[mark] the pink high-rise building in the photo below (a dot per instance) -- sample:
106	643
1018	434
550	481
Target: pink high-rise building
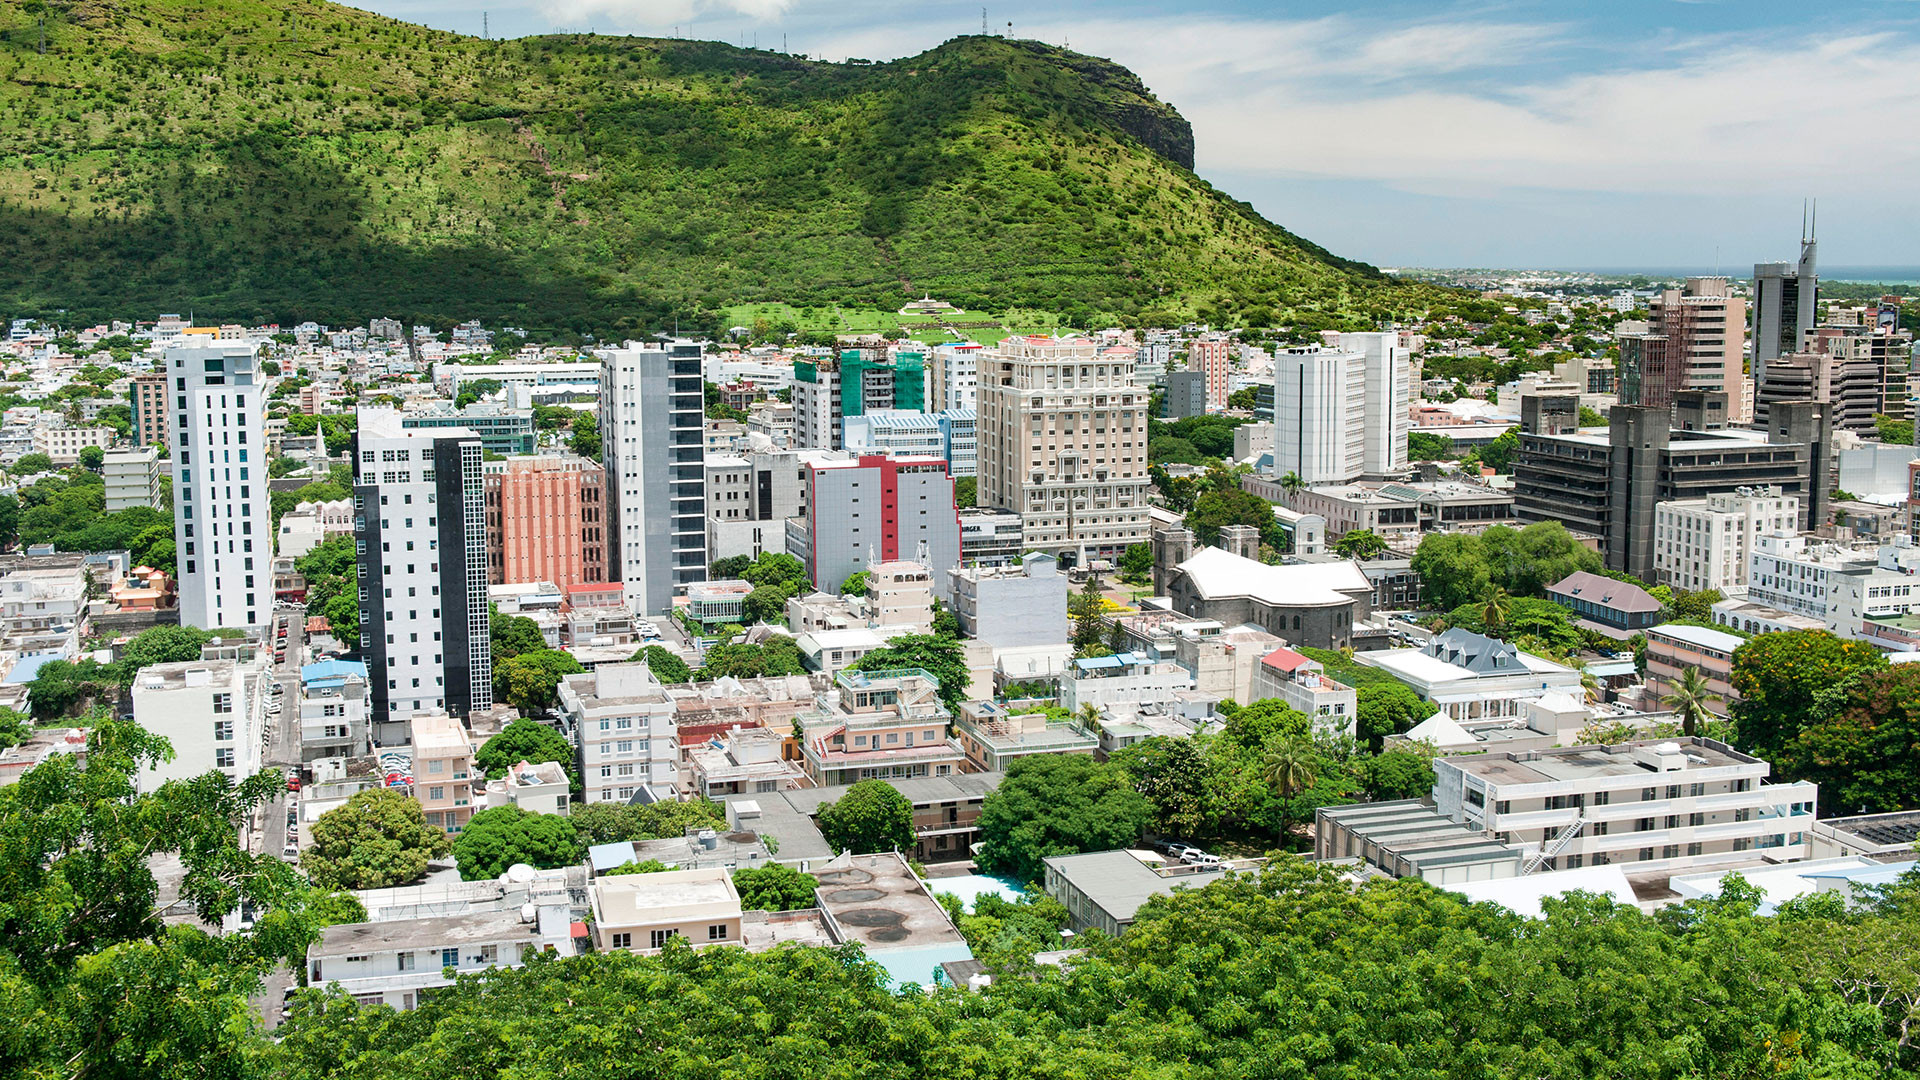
544	521
1208	355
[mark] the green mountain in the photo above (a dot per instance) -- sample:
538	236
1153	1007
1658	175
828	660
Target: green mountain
299	159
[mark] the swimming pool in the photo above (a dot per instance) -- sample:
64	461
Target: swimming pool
968	887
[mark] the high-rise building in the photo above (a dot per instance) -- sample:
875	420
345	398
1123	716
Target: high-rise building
953	378
1320	414
1783	306
1063	442
1387	372
1705	543
546	520
1607	484
219	459
1209	355
1837	370
1185	394
421	537
751	495
149	402
1694	339
875	508
860	382
652	416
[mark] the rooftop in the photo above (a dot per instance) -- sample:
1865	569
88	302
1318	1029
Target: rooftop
1575	763
1718	640
354	939
1119	882
1217	573
1605	591
637	899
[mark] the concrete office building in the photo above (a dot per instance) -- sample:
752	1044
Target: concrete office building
1209	356
623	726
1320	414
875	508
1386	371
751	495
219	458
1607	484
1013	605
1705	543
652	412
825	392
1665	806
1783	307
1850	380
421	536
546	521
132	478
1063	443
1186	395
1693	339
990	537
206	710
148	396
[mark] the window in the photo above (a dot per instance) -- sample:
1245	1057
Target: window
223	757
223	703
1696	819
623	941
489	954
658	938
717	932
406	961
1476	797
449	958
223	731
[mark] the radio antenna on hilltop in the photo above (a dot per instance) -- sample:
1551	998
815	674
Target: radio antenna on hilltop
485	35
983	22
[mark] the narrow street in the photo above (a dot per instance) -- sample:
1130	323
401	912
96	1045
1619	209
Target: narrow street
282	734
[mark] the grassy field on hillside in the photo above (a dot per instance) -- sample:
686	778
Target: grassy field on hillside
305	160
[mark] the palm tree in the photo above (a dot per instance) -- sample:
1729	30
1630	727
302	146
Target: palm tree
1288	769
1495	608
1292	483
1689	701
1089	717
1590	684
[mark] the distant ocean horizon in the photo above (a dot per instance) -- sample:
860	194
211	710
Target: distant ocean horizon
1878	275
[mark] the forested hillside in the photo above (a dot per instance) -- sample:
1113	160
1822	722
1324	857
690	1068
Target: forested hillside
301	159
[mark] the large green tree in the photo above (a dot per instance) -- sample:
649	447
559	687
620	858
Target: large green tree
774	887
610	822
378	838
530	682
665	664
1790	680
940	657
1057	804
524	740
870	816
1865	755
496	838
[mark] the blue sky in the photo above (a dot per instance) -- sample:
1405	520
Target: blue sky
1633	133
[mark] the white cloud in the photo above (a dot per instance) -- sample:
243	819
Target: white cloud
652	15
1469	105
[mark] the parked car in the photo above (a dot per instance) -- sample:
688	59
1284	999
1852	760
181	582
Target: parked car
1196	857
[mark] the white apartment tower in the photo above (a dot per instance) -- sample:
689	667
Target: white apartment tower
1320	414
624	727
1387	372
219	461
1708	543
953	380
420	535
1062	437
652	417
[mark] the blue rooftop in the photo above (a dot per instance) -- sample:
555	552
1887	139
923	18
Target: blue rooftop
1117	660
331	671
27	668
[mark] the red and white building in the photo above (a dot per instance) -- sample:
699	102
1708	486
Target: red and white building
876	509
